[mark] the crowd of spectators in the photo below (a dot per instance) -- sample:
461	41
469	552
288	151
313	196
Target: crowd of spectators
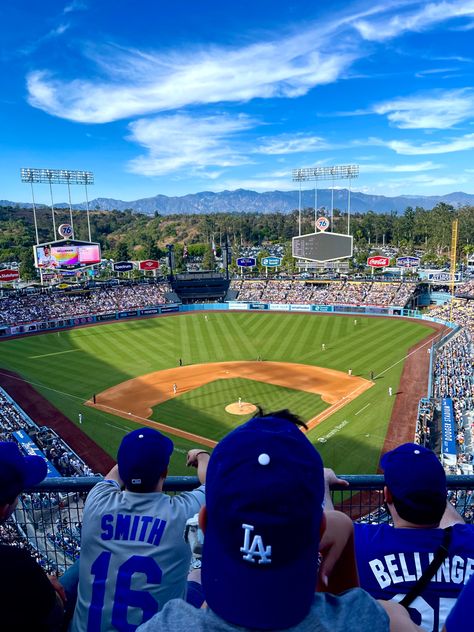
38	505
424	423
22	308
466	288
461	312
324	293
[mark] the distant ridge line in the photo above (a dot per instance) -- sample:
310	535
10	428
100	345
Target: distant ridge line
242	201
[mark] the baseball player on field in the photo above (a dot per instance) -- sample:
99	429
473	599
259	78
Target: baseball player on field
133	555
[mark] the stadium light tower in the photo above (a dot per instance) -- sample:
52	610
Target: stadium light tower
337	172
57	176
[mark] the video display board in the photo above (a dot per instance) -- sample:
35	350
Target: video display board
67	254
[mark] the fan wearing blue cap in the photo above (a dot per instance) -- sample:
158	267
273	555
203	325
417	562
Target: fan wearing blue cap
22	581
133	554
262	523
392	559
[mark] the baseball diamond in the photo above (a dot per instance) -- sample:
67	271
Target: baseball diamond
273	360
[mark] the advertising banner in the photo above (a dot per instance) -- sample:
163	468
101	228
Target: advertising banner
378	262
279	307
271	262
236	305
149	264
106	316
149	310
300	308
7	275
408	262
322	308
258	306
448	429
169	308
246	262
123	266
127	314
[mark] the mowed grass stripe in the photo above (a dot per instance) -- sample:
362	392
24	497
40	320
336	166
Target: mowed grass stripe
118	351
243	348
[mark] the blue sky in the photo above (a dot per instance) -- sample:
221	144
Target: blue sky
178	97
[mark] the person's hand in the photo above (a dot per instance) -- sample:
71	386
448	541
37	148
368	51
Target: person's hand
330	478
193	455
59	588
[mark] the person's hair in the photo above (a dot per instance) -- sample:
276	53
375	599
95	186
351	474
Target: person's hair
7	499
284	413
425	512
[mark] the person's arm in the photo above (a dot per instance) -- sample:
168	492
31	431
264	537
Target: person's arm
338	571
114	475
199	459
399	618
330	478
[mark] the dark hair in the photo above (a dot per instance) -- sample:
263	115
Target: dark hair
284	413
422	510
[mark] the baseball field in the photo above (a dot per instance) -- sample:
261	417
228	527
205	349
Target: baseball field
336	372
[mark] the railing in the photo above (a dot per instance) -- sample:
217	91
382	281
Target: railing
49	516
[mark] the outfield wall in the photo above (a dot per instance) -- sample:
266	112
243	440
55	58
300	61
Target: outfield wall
169	308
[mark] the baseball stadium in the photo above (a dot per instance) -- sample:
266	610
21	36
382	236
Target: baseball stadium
196	355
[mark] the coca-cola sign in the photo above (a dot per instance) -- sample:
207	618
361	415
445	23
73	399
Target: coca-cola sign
378	262
7	276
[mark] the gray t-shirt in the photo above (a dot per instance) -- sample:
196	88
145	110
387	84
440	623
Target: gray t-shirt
353	610
133	556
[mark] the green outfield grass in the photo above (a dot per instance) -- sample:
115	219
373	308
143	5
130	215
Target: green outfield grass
67	368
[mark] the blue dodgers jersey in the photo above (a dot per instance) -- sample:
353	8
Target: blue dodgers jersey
390	561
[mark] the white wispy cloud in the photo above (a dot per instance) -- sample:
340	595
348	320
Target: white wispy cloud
413	18
462	143
381	168
179	141
286	144
435	110
137	83
75	5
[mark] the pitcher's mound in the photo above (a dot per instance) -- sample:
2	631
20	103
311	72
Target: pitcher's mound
244	408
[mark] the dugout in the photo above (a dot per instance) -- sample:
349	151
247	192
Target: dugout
198	287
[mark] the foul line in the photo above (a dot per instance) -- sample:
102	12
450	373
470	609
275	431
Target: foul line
359	411
45	355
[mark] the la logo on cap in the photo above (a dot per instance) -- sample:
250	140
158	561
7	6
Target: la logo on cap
256	549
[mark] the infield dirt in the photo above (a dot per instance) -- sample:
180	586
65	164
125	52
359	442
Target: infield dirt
135	398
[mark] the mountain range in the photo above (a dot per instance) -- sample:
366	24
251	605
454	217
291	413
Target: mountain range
242	200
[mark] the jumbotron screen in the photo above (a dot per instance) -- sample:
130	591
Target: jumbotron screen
66	255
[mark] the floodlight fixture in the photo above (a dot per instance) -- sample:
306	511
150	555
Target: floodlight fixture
316	174
337	172
58	176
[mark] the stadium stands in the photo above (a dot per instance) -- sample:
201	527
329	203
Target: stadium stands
22	307
345	292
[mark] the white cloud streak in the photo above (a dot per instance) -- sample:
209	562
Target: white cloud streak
436	110
462	143
179	142
380	168
418	19
138	83
131	83
297	143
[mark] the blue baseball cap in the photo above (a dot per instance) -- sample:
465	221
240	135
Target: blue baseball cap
415	476
18	472
264	500
143	456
